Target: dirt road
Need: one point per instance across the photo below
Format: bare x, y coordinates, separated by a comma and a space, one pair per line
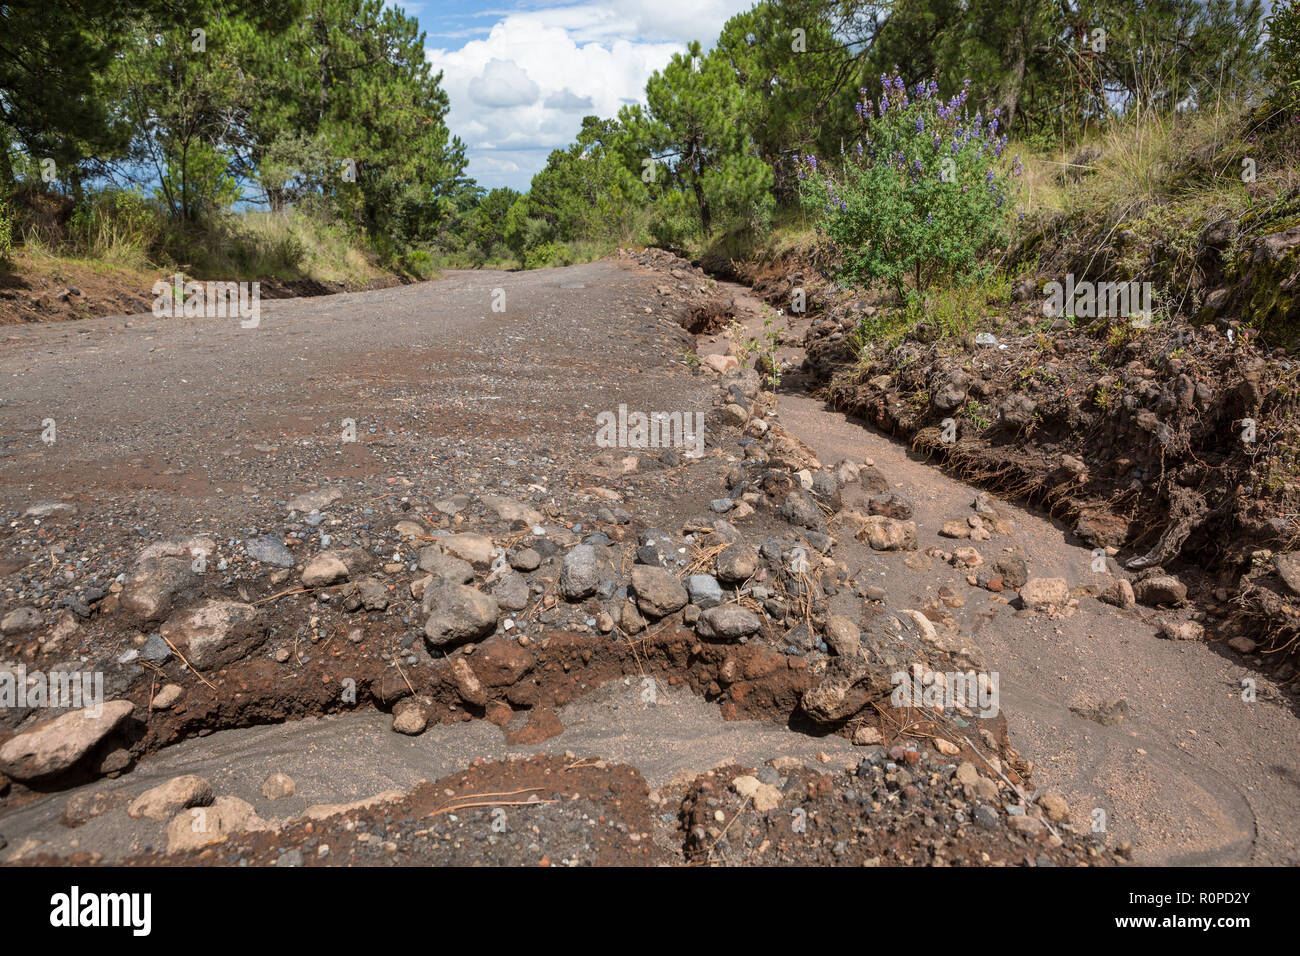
165, 428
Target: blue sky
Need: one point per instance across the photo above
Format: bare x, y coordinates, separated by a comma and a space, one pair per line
522, 75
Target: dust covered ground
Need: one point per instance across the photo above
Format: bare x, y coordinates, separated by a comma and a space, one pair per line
363, 587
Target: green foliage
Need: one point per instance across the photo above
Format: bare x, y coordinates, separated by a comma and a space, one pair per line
700, 131
1284, 52
6, 232
922, 195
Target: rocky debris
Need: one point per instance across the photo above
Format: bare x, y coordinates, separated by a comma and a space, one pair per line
524, 559
843, 636
47, 509
215, 633
887, 534
736, 564
1181, 630
161, 572
840, 695
517, 514
1109, 714
891, 505
468, 686
369, 593
277, 786
580, 573
1012, 569
458, 614
57, 745
763, 796
269, 549
511, 592
1119, 593
704, 590
85, 806
1288, 569
167, 697
323, 570
444, 566
1045, 592
411, 715
729, 622
179, 793
801, 510
1160, 590
314, 500
323, 811
476, 550
198, 827
657, 590
21, 620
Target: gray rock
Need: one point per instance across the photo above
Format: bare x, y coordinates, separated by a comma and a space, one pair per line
269, 549
658, 592
1160, 589
315, 500
373, 594
986, 817
950, 390
215, 633
737, 563
728, 623
459, 614
704, 590
162, 571
511, 592
580, 573
801, 510
524, 559
442, 565
155, 649
21, 620
323, 570
1288, 569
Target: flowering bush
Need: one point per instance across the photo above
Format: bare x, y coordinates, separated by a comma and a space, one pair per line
922, 195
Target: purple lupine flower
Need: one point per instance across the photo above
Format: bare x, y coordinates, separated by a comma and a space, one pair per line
920, 125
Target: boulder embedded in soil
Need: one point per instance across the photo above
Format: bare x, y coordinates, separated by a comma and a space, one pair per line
729, 622
215, 633
657, 590
163, 801
1044, 592
56, 745
580, 573
459, 614
1160, 589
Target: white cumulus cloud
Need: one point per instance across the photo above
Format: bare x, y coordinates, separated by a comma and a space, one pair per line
522, 91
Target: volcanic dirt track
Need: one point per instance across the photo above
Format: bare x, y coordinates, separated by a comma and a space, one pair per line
414, 406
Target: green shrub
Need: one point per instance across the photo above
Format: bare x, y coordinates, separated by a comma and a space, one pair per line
924, 194
6, 232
